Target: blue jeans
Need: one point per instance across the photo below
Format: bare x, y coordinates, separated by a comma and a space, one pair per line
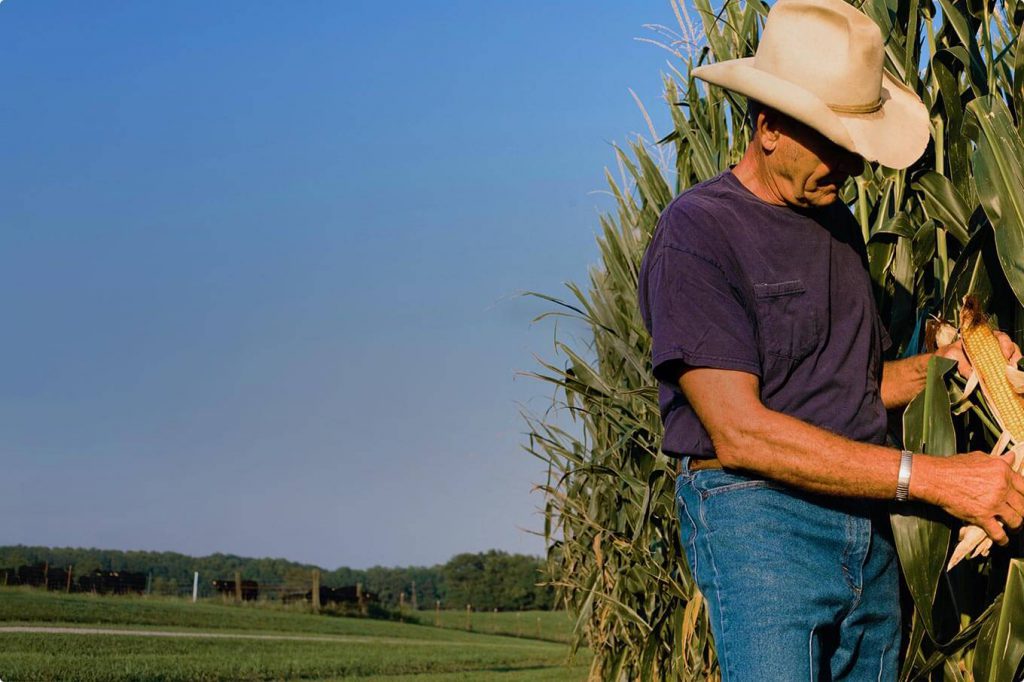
798, 587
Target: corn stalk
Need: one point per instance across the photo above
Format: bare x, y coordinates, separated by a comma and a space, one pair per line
951, 225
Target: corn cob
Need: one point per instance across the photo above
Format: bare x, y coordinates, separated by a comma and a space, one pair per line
982, 349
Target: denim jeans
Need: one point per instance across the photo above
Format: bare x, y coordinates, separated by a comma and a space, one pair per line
798, 587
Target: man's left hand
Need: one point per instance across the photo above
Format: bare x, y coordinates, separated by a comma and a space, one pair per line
955, 351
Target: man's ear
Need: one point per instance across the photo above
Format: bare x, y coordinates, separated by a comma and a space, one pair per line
768, 129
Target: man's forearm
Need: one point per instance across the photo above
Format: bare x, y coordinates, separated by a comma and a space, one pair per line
750, 437
903, 379
779, 447
776, 446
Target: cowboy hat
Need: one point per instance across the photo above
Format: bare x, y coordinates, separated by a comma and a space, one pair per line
820, 62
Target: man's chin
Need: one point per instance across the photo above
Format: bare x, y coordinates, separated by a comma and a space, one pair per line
820, 197
825, 196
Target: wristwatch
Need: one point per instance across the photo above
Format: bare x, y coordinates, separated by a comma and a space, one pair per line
903, 482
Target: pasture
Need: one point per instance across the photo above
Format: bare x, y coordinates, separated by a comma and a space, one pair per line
555, 626
130, 638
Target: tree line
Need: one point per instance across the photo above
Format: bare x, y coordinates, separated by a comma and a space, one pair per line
485, 580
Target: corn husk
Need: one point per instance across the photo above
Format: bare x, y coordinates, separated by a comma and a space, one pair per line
998, 383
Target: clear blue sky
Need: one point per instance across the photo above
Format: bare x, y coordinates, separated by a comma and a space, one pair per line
258, 265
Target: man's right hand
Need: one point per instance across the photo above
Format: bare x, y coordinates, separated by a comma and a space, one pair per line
975, 487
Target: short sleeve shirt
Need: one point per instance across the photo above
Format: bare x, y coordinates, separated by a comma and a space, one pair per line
732, 282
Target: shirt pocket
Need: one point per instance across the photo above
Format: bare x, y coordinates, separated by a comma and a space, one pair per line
786, 319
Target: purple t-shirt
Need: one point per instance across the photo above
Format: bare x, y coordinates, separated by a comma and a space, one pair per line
732, 282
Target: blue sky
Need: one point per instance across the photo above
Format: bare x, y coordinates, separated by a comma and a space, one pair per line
259, 265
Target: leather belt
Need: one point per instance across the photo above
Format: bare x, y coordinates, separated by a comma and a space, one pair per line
700, 464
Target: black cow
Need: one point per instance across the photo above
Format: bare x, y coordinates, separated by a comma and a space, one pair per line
57, 578
113, 582
33, 575
338, 595
250, 589
345, 595
349, 595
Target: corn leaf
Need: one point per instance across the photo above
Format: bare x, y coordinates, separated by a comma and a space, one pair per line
943, 204
921, 534
999, 178
1001, 642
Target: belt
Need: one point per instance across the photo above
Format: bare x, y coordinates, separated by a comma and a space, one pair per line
700, 464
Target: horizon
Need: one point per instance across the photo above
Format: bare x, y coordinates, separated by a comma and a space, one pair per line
261, 558
264, 266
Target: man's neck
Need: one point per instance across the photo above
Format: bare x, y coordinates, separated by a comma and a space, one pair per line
752, 174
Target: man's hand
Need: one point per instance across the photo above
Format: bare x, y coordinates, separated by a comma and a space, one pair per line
904, 379
975, 487
955, 351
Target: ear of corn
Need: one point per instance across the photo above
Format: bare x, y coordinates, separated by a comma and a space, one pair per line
990, 368
986, 357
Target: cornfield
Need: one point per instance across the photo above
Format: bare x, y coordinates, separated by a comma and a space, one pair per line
951, 225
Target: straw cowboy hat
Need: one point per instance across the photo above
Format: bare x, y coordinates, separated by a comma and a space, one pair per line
820, 62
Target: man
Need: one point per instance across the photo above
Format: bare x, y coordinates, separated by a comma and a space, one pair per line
768, 350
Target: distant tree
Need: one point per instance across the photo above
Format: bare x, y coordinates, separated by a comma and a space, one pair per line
495, 580
487, 580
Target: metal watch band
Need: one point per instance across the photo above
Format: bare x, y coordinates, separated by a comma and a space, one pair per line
903, 482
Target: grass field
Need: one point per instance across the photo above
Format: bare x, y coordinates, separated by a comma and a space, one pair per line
321, 647
555, 626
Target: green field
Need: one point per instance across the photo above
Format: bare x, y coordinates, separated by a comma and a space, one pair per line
555, 626
222, 642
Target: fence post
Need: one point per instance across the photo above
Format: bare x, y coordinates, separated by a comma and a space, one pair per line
46, 575
70, 568
238, 586
415, 602
195, 586
469, 617
316, 590
364, 601
437, 613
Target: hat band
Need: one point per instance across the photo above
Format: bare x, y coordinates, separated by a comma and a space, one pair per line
857, 108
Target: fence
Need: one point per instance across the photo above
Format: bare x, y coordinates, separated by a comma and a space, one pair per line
54, 578
62, 578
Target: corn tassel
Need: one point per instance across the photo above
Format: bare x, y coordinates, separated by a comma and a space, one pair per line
990, 367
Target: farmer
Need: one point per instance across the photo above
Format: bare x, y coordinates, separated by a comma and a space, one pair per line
767, 346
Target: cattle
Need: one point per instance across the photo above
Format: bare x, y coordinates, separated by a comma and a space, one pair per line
57, 578
343, 595
33, 575
350, 595
250, 589
113, 582
60, 579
